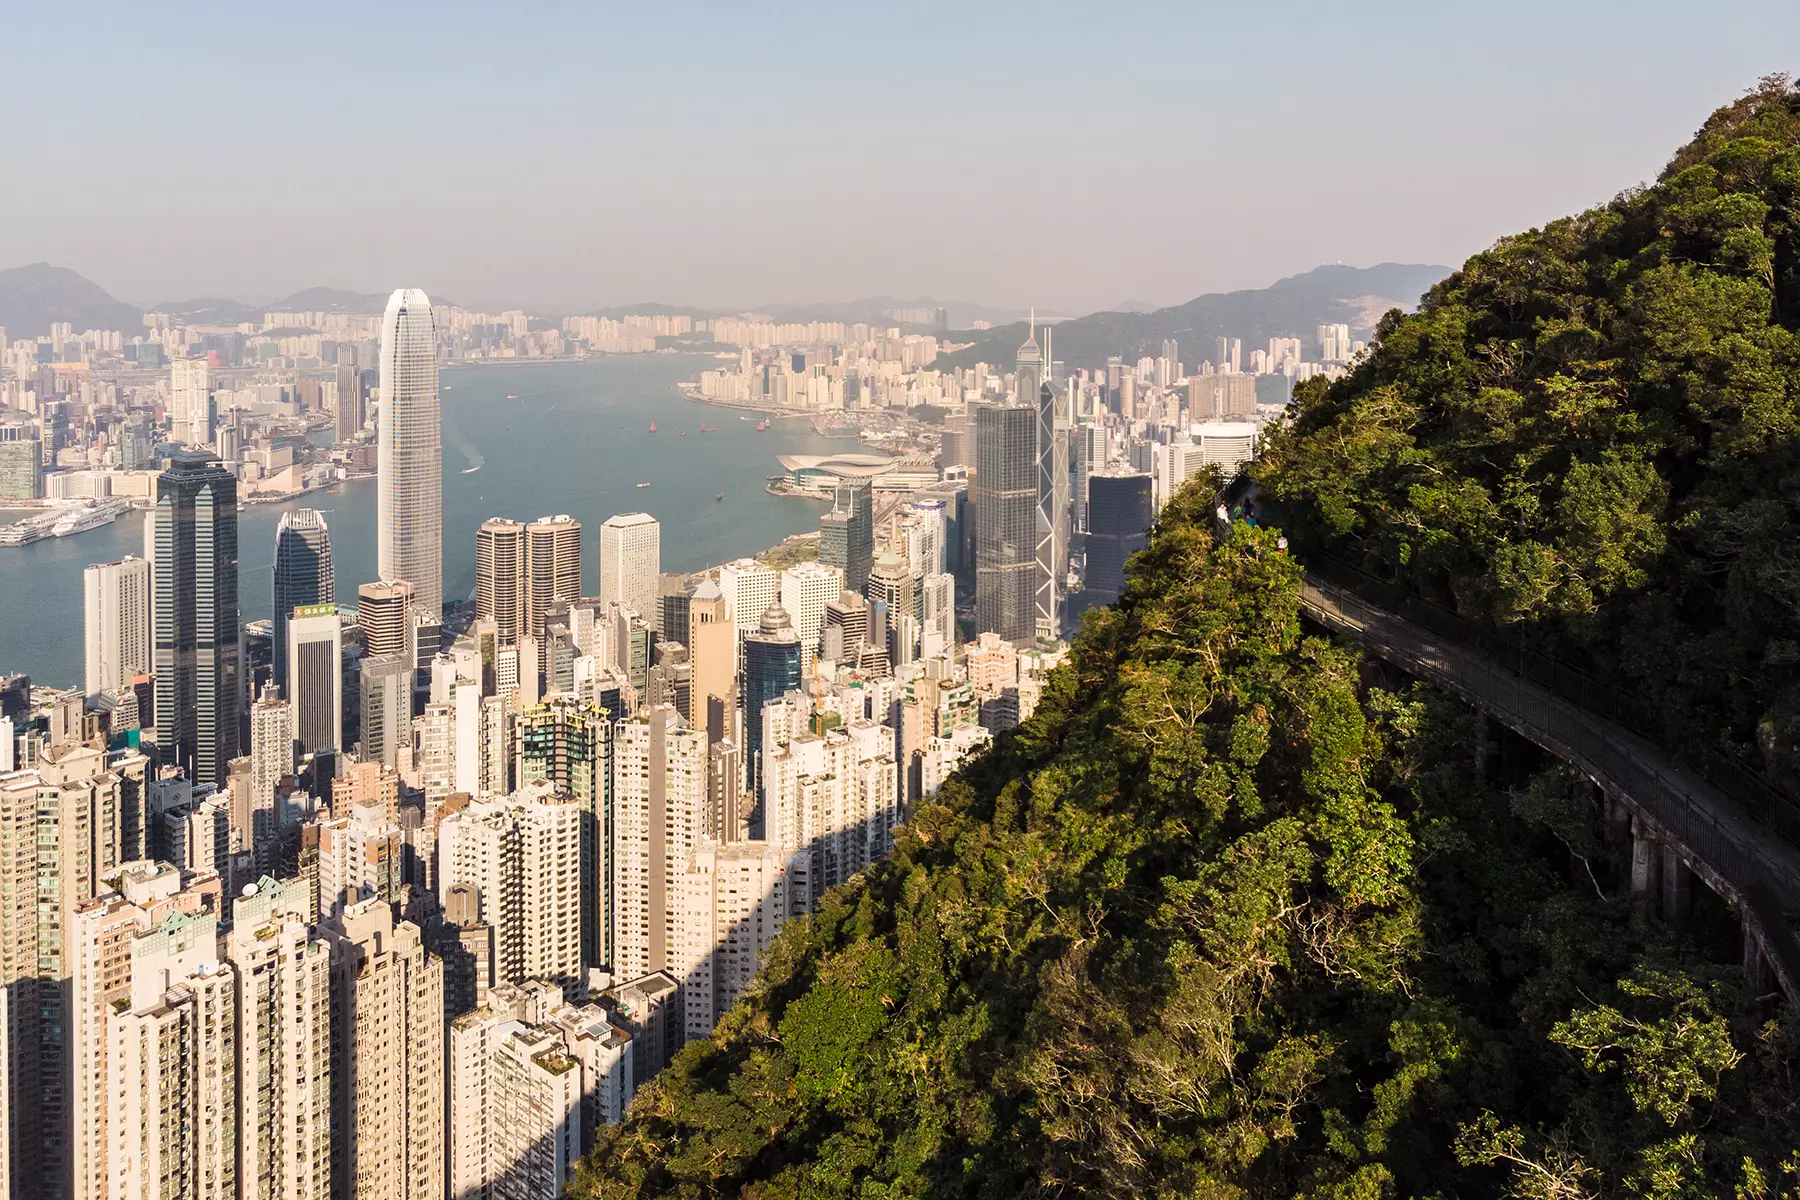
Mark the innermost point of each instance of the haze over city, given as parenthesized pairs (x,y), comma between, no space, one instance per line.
(1130,601)
(1071,156)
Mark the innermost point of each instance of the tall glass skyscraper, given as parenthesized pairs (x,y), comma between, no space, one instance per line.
(771,671)
(199,649)
(847,533)
(1119,516)
(303,576)
(1006,522)
(410,498)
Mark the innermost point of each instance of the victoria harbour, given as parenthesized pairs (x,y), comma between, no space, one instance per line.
(1204,586)
(575,440)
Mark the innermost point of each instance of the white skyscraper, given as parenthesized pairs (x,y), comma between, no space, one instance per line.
(805,591)
(410,512)
(531,1081)
(283,1051)
(390,1057)
(659,807)
(630,558)
(117,623)
(171,1068)
(734,900)
(522,855)
(271,759)
(190,401)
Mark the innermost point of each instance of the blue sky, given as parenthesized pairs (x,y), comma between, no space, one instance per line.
(1069,155)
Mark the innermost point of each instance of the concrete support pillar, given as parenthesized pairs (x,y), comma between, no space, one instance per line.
(1646,869)
(1617,817)
(1756,980)
(1677,888)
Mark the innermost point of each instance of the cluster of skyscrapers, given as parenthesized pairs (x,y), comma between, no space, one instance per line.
(401,898)
(410,908)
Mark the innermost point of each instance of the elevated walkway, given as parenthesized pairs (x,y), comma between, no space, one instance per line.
(1682,821)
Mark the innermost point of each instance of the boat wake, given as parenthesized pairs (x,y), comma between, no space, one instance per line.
(464,447)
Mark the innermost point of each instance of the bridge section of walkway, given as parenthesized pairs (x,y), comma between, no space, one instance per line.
(1693,823)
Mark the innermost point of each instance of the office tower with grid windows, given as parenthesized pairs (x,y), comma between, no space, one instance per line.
(199,650)
(410,491)
(303,576)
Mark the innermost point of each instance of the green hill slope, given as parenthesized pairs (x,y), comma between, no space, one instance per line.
(1589,436)
(1223,920)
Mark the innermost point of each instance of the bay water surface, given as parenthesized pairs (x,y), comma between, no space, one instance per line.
(576,440)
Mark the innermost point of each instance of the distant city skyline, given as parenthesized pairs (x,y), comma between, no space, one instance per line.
(1182,149)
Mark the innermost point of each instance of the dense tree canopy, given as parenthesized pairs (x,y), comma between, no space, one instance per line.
(1590,435)
(1224,919)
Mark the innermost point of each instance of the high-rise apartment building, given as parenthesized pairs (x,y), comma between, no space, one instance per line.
(531,1081)
(832,798)
(101,932)
(630,560)
(283,1044)
(389,1071)
(190,401)
(303,576)
(712,654)
(500,577)
(522,855)
(659,806)
(410,500)
(937,619)
(360,857)
(553,568)
(568,742)
(734,900)
(172,1068)
(116,624)
(1006,522)
(199,653)
(271,760)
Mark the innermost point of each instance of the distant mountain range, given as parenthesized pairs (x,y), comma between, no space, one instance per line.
(872,310)
(1295,306)
(35,297)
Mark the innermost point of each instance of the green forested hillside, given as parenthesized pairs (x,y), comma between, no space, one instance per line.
(1225,920)
(1590,436)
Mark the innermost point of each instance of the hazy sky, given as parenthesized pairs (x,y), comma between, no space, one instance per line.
(1069,155)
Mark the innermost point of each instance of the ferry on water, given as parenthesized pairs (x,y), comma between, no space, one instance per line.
(643,485)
